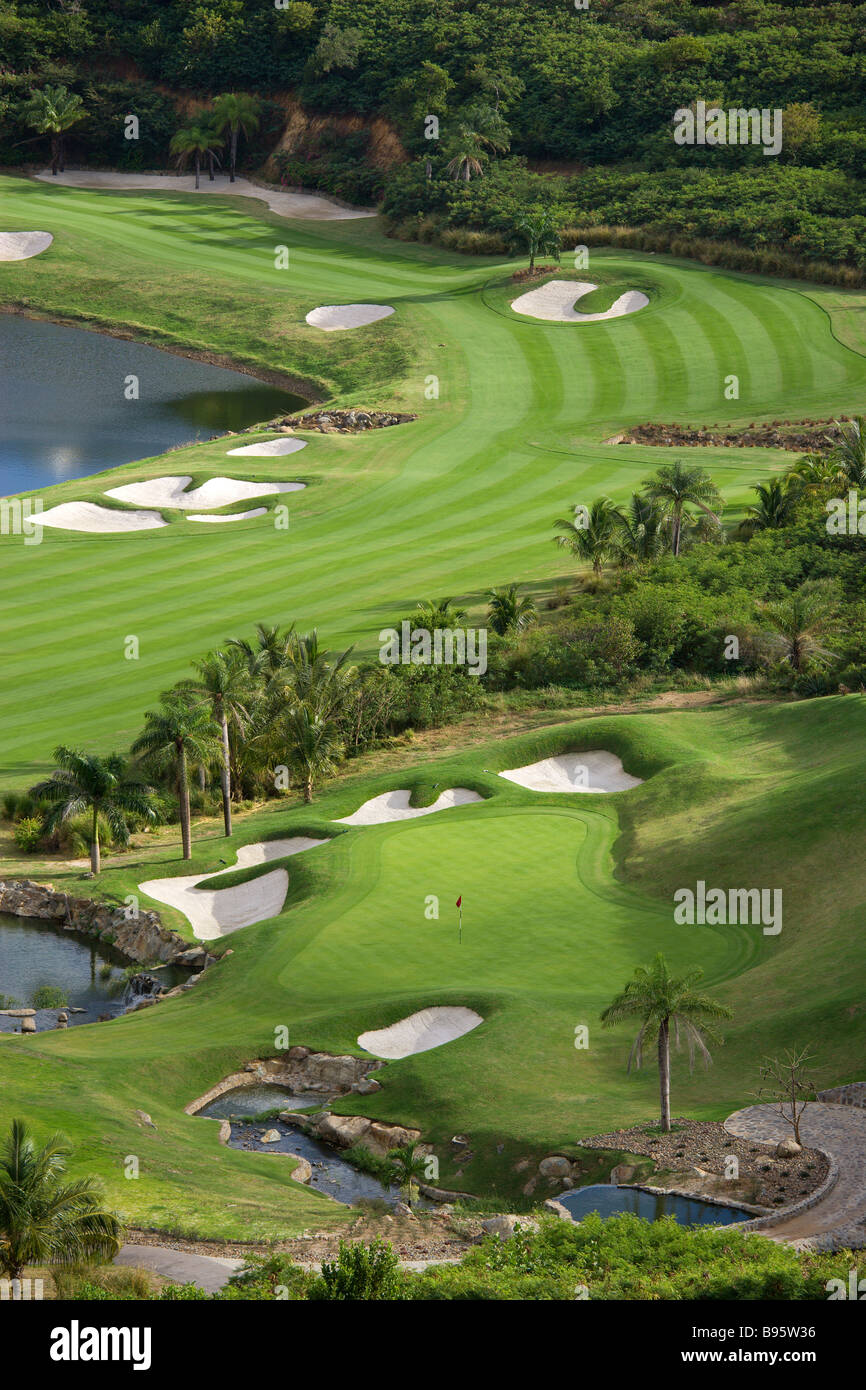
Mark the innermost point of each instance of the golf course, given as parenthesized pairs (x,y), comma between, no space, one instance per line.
(563,894)
(454,502)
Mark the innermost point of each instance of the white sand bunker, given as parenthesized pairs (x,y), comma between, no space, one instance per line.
(574,772)
(555,302)
(312,206)
(420,1032)
(229,516)
(89,516)
(20,246)
(217,911)
(395,806)
(267,447)
(216,492)
(332,317)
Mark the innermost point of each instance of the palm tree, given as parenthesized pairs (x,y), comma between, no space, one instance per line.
(44,1220)
(270,651)
(235,113)
(85,781)
(439,612)
(775,508)
(663,1001)
(849,452)
(52,111)
(312,746)
(480,129)
(540,233)
(640,531)
(196,140)
(676,485)
(408,1167)
(800,620)
(509,612)
(178,734)
(223,685)
(315,677)
(467,155)
(591,536)
(814,474)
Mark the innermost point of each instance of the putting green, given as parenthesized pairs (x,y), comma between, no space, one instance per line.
(563,896)
(460,500)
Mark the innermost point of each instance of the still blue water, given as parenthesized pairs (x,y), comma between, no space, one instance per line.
(609,1200)
(64,412)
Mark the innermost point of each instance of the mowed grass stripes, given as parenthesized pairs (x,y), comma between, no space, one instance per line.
(456,502)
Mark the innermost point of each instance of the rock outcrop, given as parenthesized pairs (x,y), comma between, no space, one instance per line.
(140,935)
(804,437)
(343,421)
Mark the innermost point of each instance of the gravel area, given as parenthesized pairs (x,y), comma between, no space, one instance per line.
(696,1148)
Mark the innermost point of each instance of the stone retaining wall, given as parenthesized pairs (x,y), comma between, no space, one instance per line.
(854,1093)
(140,935)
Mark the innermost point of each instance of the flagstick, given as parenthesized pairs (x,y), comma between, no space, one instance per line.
(460,938)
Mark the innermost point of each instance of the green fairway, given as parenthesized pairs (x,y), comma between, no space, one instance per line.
(563,896)
(459,500)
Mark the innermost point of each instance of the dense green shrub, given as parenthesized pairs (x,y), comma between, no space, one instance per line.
(369,1272)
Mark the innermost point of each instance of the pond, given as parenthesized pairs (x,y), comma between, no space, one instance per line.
(610,1200)
(34,954)
(65,412)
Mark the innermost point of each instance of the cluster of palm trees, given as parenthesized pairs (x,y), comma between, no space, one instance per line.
(209,131)
(814,477)
(655,520)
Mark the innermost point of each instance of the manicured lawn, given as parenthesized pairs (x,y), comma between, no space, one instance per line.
(563,896)
(460,500)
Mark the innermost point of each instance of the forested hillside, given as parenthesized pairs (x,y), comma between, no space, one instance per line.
(586,94)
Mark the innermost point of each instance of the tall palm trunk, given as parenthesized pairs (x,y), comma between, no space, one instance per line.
(55,153)
(678,522)
(183,795)
(210,164)
(308,789)
(234,153)
(197,167)
(665,1074)
(225,774)
(94,843)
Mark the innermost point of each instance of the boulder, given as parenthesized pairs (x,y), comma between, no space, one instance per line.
(297,1054)
(788,1148)
(28,1025)
(143,1118)
(382,1138)
(505,1226)
(401,1209)
(302,1172)
(623,1172)
(558,1209)
(366,1086)
(271,1136)
(555,1166)
(342,1129)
